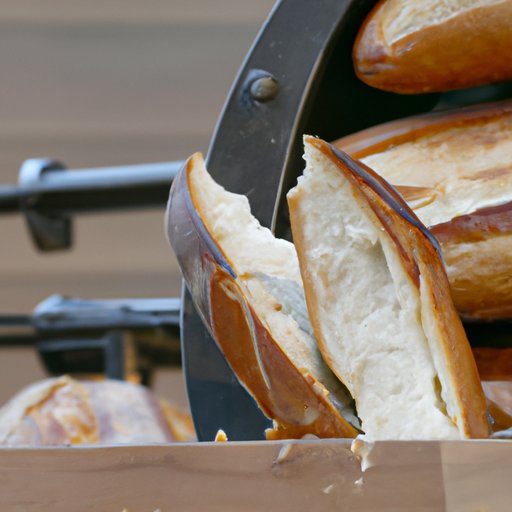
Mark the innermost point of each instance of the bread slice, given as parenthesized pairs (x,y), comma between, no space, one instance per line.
(380,305)
(248,288)
(415,46)
(455,170)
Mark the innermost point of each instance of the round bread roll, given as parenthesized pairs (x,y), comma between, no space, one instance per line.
(65,411)
(415,46)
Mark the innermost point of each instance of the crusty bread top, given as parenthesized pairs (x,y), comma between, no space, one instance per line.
(445,164)
(380,304)
(63,411)
(399,18)
(434,45)
(13,414)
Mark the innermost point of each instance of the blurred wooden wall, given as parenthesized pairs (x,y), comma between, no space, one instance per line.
(107,82)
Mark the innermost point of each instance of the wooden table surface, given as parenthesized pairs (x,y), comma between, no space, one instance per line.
(107,82)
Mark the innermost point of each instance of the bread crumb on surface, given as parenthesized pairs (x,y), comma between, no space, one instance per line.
(220,436)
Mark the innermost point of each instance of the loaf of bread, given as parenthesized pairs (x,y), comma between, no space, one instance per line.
(455,170)
(415,46)
(247,287)
(379,301)
(66,411)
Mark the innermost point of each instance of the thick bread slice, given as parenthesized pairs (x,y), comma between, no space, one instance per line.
(455,170)
(248,288)
(414,46)
(380,304)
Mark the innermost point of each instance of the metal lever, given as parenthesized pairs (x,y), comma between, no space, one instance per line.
(111,336)
(49,194)
(94,336)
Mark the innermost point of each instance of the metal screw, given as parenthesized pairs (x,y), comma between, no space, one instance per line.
(264,89)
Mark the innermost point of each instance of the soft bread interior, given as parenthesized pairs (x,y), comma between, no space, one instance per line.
(461,169)
(399,18)
(268,272)
(365,309)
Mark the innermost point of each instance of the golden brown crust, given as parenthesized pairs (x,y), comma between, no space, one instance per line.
(469,49)
(418,254)
(456,352)
(65,411)
(476,226)
(480,277)
(52,412)
(379,138)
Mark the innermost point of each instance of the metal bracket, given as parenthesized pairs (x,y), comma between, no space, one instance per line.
(111,355)
(103,336)
(50,231)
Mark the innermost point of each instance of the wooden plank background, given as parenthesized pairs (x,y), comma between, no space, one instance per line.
(107,82)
